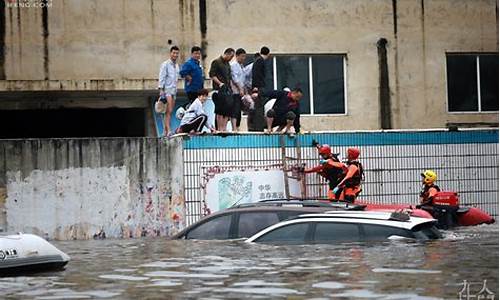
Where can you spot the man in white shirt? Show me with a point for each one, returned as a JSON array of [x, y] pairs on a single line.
[[167, 84], [238, 87], [195, 118]]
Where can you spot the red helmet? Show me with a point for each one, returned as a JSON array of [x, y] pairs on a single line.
[[352, 153], [325, 149]]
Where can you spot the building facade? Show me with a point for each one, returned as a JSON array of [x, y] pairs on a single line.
[[363, 65]]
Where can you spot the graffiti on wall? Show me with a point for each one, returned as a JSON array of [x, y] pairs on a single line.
[[155, 211]]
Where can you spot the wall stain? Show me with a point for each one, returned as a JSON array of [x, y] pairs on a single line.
[[45, 27], [2, 40], [152, 10], [181, 14], [395, 16], [424, 56], [203, 29], [396, 57], [20, 38], [496, 15], [191, 14], [384, 90], [11, 35]]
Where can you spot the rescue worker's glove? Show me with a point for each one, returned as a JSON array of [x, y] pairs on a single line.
[[336, 190], [314, 143], [323, 161]]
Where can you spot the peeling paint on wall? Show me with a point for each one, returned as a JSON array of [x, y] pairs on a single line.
[[85, 188], [68, 204]]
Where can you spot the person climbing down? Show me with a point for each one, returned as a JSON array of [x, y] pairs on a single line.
[[285, 112], [195, 118], [429, 189], [330, 168], [350, 186]]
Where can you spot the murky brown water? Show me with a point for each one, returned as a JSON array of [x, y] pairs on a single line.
[[162, 269]]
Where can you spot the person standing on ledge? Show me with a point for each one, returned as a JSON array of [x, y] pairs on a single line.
[[167, 84], [192, 72], [220, 73], [256, 121]]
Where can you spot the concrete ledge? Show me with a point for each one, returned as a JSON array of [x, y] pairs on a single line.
[[86, 85]]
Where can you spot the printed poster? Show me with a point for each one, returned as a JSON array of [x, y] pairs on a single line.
[[237, 187]]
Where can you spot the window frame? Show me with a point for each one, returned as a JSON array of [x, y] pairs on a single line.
[[311, 82], [478, 76]]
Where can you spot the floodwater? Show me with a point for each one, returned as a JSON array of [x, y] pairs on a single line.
[[164, 269]]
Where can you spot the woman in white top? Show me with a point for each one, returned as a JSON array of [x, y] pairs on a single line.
[[195, 118]]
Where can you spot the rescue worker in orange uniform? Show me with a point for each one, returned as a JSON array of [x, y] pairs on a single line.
[[330, 168], [429, 188], [350, 186]]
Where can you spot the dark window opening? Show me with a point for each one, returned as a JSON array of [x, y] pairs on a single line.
[[293, 71], [472, 82], [320, 76], [488, 66], [65, 123]]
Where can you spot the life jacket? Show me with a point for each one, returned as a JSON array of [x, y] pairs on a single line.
[[424, 194], [358, 176], [334, 175]]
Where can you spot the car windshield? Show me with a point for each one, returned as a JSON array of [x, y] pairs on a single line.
[[426, 231]]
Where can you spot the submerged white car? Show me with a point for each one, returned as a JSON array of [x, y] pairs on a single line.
[[341, 226]]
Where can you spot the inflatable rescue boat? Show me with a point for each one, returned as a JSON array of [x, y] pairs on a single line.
[[445, 208], [26, 253]]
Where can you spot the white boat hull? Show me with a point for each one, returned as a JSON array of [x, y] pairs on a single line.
[[23, 253]]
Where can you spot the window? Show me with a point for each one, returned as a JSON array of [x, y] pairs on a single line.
[[251, 223], [321, 78], [377, 232], [216, 228], [290, 234], [331, 231], [472, 82]]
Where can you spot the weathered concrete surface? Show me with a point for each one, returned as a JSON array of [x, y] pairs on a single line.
[[116, 44], [75, 188]]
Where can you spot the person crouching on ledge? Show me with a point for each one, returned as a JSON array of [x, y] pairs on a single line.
[[195, 118]]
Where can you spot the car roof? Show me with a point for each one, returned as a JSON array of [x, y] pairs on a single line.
[[302, 203], [392, 219], [404, 219]]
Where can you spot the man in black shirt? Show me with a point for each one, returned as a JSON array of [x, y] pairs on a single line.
[[285, 111], [256, 120], [220, 72]]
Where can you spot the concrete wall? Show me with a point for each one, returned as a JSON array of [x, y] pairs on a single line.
[[75, 188], [118, 45]]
